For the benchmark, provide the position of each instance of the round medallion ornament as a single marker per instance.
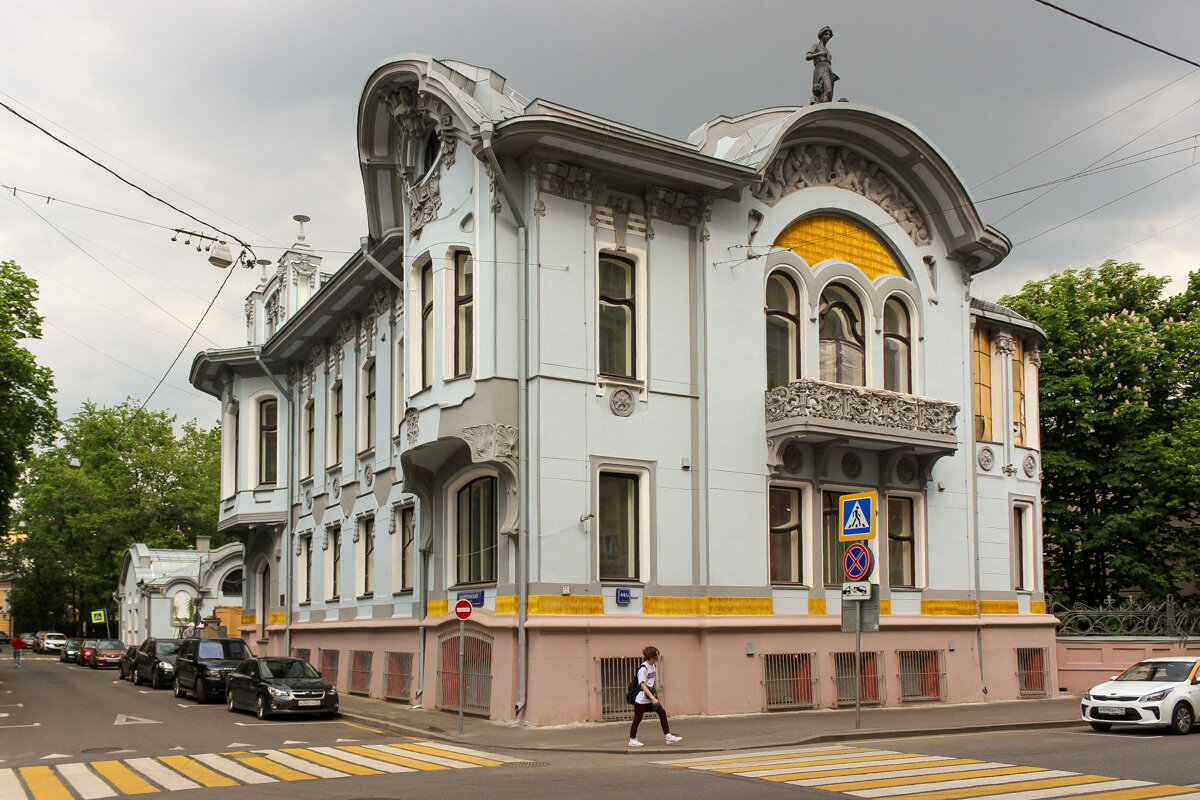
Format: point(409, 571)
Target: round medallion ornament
point(368, 475)
point(851, 465)
point(337, 488)
point(987, 459)
point(308, 498)
point(906, 470)
point(793, 457)
point(620, 402)
point(1029, 465)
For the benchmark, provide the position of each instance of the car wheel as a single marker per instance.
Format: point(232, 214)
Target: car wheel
point(1101, 726)
point(260, 708)
point(178, 688)
point(229, 701)
point(156, 679)
point(201, 691)
point(136, 677)
point(1181, 719)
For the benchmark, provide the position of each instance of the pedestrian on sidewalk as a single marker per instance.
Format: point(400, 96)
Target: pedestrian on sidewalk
point(18, 646)
point(647, 699)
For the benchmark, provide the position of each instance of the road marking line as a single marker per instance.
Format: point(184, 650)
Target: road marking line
point(384, 752)
point(85, 782)
point(196, 771)
point(125, 780)
point(917, 780)
point(948, 790)
point(791, 751)
point(819, 758)
point(29, 725)
point(375, 757)
point(271, 768)
point(1064, 790)
point(466, 751)
point(300, 765)
point(44, 784)
point(233, 769)
point(10, 785)
point(429, 754)
point(333, 762)
point(377, 764)
point(944, 769)
point(169, 779)
point(362, 727)
point(1156, 790)
point(839, 767)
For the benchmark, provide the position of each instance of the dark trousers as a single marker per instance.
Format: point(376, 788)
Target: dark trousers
point(641, 708)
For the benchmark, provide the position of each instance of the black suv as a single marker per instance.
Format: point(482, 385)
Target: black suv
point(202, 666)
point(155, 662)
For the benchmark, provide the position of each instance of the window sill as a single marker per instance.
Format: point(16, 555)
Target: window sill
point(366, 451)
point(366, 596)
point(304, 603)
point(790, 586)
point(403, 593)
point(336, 598)
point(466, 586)
point(621, 583)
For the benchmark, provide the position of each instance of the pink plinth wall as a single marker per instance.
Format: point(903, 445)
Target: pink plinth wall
point(705, 664)
point(1084, 662)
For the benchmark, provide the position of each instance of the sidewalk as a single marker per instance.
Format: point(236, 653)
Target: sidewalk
point(705, 733)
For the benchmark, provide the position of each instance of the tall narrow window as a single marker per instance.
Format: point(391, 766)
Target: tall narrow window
point(368, 545)
point(335, 424)
point(617, 317)
point(427, 326)
point(310, 437)
point(786, 535)
point(464, 313)
point(308, 568)
point(268, 442)
point(902, 544)
point(1018, 392)
point(983, 385)
point(335, 544)
point(618, 526)
point(841, 337)
point(476, 521)
point(406, 549)
point(834, 550)
point(369, 406)
point(897, 360)
point(237, 448)
point(783, 331)
point(1022, 533)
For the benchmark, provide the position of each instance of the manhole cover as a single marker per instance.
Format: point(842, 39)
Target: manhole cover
point(525, 764)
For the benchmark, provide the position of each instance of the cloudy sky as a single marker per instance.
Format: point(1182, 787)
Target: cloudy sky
point(243, 114)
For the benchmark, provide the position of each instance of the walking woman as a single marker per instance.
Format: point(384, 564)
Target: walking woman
point(647, 699)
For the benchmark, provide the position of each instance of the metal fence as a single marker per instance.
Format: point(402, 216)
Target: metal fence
point(790, 680)
point(360, 671)
point(1127, 618)
point(329, 665)
point(922, 674)
point(615, 675)
point(870, 678)
point(477, 672)
point(397, 684)
point(1033, 675)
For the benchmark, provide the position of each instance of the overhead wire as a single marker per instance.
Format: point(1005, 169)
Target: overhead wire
point(1116, 32)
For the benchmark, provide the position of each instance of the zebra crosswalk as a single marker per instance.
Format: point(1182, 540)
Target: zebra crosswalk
point(876, 774)
point(93, 780)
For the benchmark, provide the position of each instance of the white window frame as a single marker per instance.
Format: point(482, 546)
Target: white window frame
point(912, 309)
point(304, 573)
point(451, 501)
point(919, 540)
point(308, 447)
point(450, 284)
point(1028, 544)
point(367, 433)
point(806, 533)
point(399, 562)
point(645, 474)
point(230, 441)
point(362, 560)
point(333, 443)
point(255, 402)
point(333, 543)
point(641, 318)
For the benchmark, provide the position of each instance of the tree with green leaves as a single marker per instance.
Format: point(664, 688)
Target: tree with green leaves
point(27, 413)
point(119, 476)
point(1120, 431)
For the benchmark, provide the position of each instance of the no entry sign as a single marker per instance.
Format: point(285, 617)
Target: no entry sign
point(857, 563)
point(462, 609)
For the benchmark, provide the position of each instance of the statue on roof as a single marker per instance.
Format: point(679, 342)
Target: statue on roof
point(823, 75)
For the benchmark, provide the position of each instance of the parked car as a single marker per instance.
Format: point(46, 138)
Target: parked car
point(202, 666)
point(70, 651)
point(156, 662)
point(1154, 692)
point(126, 664)
point(108, 653)
point(5, 638)
point(85, 651)
point(52, 643)
point(280, 686)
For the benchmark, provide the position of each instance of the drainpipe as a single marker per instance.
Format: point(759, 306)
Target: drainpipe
point(974, 499)
point(486, 132)
point(286, 558)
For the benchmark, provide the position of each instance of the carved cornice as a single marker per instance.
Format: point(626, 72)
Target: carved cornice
point(1006, 344)
point(862, 406)
point(678, 208)
point(569, 181)
point(808, 165)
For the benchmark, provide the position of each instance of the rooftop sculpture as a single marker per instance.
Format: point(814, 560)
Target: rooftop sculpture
point(823, 75)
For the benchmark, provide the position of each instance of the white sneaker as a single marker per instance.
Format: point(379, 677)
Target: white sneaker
point(672, 738)
point(635, 743)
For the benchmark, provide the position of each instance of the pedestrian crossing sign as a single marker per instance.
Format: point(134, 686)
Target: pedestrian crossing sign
point(858, 516)
point(97, 616)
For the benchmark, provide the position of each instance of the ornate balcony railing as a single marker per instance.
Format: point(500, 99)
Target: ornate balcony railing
point(818, 400)
point(1127, 618)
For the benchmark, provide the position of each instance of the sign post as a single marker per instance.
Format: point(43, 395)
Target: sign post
point(857, 565)
point(462, 610)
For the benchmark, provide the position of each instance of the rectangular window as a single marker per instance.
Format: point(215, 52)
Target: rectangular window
point(368, 547)
point(310, 437)
point(618, 526)
point(1018, 392)
point(902, 543)
point(617, 317)
point(834, 550)
point(983, 385)
point(785, 521)
point(268, 442)
point(308, 568)
point(1022, 537)
point(426, 326)
point(335, 424)
point(369, 406)
point(237, 449)
point(464, 313)
point(335, 545)
point(476, 521)
point(407, 548)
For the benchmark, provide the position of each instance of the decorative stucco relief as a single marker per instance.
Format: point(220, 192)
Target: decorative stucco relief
point(569, 181)
point(412, 420)
point(1029, 465)
point(497, 444)
point(678, 208)
point(1006, 344)
point(424, 200)
point(986, 459)
point(808, 165)
point(862, 406)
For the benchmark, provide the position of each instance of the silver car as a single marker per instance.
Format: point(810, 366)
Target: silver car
point(1154, 692)
point(53, 642)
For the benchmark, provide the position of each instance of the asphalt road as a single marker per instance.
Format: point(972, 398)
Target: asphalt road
point(64, 727)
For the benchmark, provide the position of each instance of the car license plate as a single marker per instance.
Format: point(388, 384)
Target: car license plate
point(1106, 711)
point(309, 702)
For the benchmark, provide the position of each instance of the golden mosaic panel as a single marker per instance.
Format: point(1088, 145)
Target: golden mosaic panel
point(822, 237)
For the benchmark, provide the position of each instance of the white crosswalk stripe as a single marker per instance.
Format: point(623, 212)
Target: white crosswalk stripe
point(168, 778)
point(419, 756)
point(361, 760)
point(300, 765)
point(232, 769)
point(85, 782)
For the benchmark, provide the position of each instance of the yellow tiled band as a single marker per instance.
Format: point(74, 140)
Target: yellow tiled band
point(248, 619)
point(437, 608)
point(276, 619)
point(999, 606)
point(816, 605)
point(708, 606)
point(1037, 607)
point(947, 608)
point(566, 604)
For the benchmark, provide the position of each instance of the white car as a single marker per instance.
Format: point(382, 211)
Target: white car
point(1157, 691)
point(52, 643)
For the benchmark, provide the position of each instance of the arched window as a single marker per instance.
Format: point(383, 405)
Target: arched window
point(618, 306)
point(476, 523)
point(783, 330)
point(268, 441)
point(897, 359)
point(842, 352)
point(231, 584)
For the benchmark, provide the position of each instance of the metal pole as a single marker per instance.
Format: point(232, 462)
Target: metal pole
point(462, 627)
point(858, 665)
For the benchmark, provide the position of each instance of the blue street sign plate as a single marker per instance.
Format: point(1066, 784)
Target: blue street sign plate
point(623, 597)
point(474, 597)
point(858, 516)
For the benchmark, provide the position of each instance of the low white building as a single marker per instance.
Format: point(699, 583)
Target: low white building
point(610, 386)
point(161, 591)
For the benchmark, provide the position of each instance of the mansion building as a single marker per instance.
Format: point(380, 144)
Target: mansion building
point(609, 387)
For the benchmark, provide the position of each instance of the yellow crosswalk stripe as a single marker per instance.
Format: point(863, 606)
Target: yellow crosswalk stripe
point(377, 751)
point(263, 764)
point(840, 768)
point(858, 759)
point(1158, 790)
point(44, 784)
point(123, 779)
point(197, 771)
point(981, 791)
point(432, 759)
point(911, 779)
point(890, 769)
point(452, 755)
point(331, 762)
point(772, 755)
